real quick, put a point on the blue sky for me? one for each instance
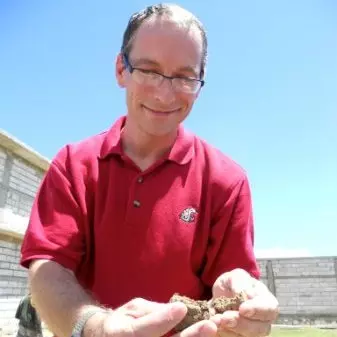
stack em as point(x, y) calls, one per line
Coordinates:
point(270, 101)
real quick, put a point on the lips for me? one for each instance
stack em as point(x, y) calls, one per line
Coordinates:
point(160, 112)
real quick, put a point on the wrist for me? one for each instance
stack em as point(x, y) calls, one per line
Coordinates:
point(94, 325)
point(89, 321)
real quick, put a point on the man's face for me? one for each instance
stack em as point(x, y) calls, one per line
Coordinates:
point(162, 46)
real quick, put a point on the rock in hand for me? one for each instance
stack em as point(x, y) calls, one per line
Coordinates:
point(201, 310)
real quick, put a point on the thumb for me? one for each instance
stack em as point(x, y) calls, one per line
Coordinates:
point(160, 322)
point(232, 283)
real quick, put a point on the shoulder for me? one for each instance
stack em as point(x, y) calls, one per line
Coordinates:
point(87, 152)
point(80, 153)
point(76, 164)
point(220, 169)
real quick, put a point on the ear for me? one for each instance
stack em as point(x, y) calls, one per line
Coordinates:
point(120, 71)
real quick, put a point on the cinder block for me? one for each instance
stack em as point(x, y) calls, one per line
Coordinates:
point(6, 272)
point(4, 265)
point(14, 266)
point(5, 244)
point(12, 259)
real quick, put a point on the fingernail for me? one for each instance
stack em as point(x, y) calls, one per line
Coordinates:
point(249, 313)
point(231, 323)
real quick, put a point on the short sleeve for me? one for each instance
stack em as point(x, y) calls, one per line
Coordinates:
point(56, 226)
point(232, 236)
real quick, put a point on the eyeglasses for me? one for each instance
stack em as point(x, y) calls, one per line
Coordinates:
point(155, 79)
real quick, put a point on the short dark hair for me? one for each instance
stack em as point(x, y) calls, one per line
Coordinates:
point(162, 9)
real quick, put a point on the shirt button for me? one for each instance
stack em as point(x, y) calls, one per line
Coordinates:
point(136, 203)
point(140, 179)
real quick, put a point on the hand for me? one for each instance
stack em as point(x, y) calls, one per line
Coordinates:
point(142, 318)
point(255, 316)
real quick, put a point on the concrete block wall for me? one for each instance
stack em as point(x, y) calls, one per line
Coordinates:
point(3, 190)
point(8, 322)
point(13, 283)
point(13, 278)
point(306, 288)
point(3, 157)
point(19, 181)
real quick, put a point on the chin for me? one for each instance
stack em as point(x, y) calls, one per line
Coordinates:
point(161, 132)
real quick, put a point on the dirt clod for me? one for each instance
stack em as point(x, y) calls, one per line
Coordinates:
point(200, 310)
point(196, 311)
point(222, 304)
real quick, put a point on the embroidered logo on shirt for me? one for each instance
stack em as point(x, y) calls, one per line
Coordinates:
point(188, 214)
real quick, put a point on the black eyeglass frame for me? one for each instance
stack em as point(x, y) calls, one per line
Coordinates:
point(131, 69)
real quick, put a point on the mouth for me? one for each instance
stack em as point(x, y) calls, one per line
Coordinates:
point(160, 112)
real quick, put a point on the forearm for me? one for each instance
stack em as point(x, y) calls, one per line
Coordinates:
point(57, 296)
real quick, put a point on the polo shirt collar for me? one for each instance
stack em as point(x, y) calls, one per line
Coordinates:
point(183, 148)
point(112, 144)
point(181, 152)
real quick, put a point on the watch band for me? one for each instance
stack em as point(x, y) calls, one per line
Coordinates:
point(79, 325)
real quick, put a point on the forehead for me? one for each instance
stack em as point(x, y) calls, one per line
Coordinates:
point(168, 42)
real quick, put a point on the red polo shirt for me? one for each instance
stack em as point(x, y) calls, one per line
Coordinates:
point(125, 233)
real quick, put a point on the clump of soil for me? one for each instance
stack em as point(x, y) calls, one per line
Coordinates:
point(196, 311)
point(200, 310)
point(222, 304)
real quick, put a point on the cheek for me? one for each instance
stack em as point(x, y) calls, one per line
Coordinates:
point(132, 95)
point(186, 100)
point(138, 94)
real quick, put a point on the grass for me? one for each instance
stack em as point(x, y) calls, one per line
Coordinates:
point(307, 332)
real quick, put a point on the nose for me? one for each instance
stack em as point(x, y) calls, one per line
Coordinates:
point(164, 93)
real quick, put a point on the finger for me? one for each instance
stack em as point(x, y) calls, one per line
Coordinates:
point(232, 321)
point(200, 329)
point(263, 308)
point(234, 282)
point(159, 322)
point(256, 288)
point(139, 307)
point(221, 332)
point(241, 281)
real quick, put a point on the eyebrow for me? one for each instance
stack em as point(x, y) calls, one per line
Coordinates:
point(149, 62)
point(145, 61)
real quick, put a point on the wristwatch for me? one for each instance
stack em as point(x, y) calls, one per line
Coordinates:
point(79, 325)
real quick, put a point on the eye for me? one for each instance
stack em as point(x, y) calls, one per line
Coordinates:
point(150, 74)
point(187, 77)
point(187, 80)
point(184, 81)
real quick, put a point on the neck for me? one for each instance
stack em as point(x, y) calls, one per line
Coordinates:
point(141, 146)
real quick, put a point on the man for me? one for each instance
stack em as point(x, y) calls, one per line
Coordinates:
point(128, 217)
